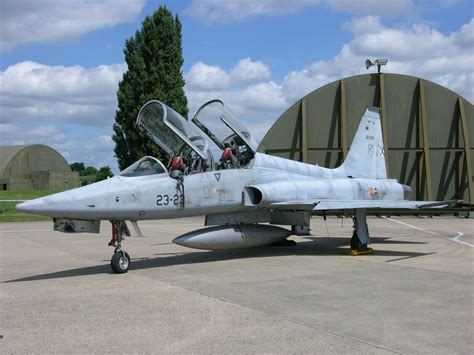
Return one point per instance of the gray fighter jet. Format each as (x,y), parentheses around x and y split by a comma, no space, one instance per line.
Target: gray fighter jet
(216,171)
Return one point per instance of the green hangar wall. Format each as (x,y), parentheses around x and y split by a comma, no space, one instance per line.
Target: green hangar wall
(428,131)
(39,167)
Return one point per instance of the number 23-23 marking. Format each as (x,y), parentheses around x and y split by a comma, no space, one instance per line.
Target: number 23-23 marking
(165,200)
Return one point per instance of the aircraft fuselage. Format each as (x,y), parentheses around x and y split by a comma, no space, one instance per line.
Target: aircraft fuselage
(215,192)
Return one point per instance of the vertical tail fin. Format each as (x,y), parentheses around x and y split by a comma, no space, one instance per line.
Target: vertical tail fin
(366,157)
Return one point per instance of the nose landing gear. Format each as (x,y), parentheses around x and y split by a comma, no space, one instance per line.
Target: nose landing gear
(120,261)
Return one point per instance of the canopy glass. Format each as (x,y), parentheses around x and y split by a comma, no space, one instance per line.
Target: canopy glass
(222,127)
(172,132)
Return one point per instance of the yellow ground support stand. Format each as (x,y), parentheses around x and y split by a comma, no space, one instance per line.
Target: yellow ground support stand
(361,252)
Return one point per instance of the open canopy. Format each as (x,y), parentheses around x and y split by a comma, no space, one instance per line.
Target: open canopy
(220,125)
(172,132)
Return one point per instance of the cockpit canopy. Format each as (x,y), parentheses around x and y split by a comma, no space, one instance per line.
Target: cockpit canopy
(222,127)
(170,130)
(184,142)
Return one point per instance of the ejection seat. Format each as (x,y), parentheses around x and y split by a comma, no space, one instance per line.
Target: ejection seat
(227,160)
(177,167)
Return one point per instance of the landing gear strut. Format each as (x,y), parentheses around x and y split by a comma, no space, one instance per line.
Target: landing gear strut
(356,244)
(360,235)
(120,261)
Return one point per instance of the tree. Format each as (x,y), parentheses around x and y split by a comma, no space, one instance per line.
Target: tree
(155,59)
(103,173)
(90,170)
(79,167)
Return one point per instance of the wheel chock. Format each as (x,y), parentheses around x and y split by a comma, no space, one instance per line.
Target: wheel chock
(353,252)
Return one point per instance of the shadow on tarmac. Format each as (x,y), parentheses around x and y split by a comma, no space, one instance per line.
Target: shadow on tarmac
(317,246)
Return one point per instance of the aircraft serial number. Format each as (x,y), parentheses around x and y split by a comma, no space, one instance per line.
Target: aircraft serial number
(165,200)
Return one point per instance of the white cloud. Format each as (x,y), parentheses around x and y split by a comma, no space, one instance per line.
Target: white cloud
(218,11)
(207,77)
(47,133)
(373,7)
(7,128)
(248,71)
(366,24)
(30,90)
(464,38)
(246,88)
(97,152)
(39,21)
(418,50)
(266,96)
(71,109)
(402,44)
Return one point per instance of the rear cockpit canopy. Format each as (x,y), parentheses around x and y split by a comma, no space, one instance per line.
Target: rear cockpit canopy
(221,126)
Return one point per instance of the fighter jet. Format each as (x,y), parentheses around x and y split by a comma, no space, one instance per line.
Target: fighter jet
(214,169)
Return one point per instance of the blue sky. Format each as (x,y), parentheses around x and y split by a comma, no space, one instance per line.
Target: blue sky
(60,61)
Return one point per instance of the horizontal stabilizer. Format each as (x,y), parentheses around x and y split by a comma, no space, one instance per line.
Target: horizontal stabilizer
(441,204)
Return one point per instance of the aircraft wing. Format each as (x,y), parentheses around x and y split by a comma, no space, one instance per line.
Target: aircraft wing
(324,205)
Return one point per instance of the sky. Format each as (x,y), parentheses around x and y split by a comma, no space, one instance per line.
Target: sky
(61,60)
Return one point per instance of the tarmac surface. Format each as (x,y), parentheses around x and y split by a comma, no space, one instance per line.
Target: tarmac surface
(413,295)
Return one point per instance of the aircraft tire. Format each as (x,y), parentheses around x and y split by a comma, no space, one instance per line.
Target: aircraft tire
(120,264)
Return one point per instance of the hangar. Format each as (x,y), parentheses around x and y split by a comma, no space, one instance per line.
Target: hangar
(428,131)
(37,166)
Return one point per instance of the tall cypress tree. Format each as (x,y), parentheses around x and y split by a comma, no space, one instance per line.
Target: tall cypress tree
(155,58)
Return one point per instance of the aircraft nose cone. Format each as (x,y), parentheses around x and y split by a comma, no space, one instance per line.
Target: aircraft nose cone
(31,206)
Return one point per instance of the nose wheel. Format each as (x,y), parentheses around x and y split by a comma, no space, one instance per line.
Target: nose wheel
(120,261)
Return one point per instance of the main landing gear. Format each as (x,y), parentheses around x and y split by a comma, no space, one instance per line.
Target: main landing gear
(120,261)
(360,235)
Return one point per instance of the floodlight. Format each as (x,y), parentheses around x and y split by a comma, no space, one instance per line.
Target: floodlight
(378,62)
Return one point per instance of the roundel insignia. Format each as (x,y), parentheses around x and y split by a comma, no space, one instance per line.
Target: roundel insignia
(372,191)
